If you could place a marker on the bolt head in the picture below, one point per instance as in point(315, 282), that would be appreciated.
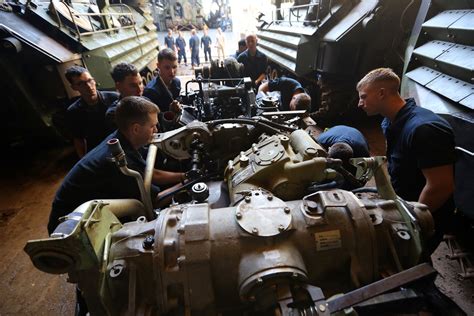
point(287, 210)
point(148, 242)
point(255, 230)
point(247, 199)
point(238, 215)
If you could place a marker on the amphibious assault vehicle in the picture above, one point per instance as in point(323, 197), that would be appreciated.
point(330, 44)
point(40, 39)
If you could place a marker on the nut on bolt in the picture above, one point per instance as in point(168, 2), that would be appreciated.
point(322, 307)
point(238, 215)
point(247, 199)
point(287, 210)
point(148, 242)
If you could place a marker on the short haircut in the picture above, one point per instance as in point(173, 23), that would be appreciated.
point(131, 110)
point(74, 71)
point(122, 70)
point(167, 53)
point(303, 101)
point(341, 151)
point(251, 35)
point(242, 43)
point(380, 75)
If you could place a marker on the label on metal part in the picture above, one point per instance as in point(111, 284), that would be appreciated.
point(327, 240)
point(242, 175)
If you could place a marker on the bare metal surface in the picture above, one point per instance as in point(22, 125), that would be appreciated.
point(379, 287)
point(262, 214)
point(28, 185)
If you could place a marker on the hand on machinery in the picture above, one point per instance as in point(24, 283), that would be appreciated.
point(175, 106)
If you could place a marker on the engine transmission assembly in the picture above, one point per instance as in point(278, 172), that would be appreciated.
point(273, 249)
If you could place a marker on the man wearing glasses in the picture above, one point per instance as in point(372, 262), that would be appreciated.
point(86, 116)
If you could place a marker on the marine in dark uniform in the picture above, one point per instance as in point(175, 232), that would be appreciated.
point(292, 95)
point(95, 176)
point(165, 88)
point(420, 147)
point(86, 116)
point(255, 62)
point(206, 44)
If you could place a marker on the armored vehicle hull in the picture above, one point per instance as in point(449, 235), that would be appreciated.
point(330, 45)
point(40, 39)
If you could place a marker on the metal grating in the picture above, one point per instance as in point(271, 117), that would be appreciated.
point(444, 19)
point(289, 64)
point(451, 88)
point(433, 49)
point(423, 75)
point(285, 52)
point(468, 101)
point(282, 39)
point(460, 56)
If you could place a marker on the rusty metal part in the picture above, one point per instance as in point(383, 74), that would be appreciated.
point(364, 293)
point(464, 257)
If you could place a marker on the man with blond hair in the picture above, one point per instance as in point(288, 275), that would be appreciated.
point(420, 144)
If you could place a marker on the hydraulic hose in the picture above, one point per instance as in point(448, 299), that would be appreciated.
point(121, 161)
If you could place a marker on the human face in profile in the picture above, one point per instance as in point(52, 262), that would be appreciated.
point(370, 99)
point(145, 131)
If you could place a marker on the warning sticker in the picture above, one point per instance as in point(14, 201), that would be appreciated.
point(242, 175)
point(330, 239)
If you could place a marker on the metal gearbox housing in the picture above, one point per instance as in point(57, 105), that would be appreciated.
point(273, 248)
point(195, 259)
point(284, 165)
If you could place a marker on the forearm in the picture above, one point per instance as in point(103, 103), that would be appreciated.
point(167, 200)
point(439, 186)
point(260, 78)
point(161, 177)
point(435, 196)
point(264, 87)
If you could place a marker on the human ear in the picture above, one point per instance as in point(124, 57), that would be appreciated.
point(135, 128)
point(382, 92)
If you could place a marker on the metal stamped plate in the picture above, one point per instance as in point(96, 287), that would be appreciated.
point(269, 154)
point(433, 49)
point(451, 87)
point(262, 214)
point(423, 75)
